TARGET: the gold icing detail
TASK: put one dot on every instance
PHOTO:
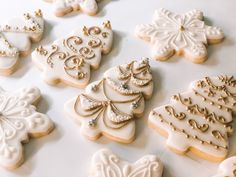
(95, 109)
(171, 111)
(195, 125)
(187, 135)
(107, 24)
(75, 56)
(38, 13)
(32, 27)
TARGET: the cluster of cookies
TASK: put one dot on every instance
(199, 120)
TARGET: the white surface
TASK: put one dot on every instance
(65, 153)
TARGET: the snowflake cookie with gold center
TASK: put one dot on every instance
(184, 34)
(19, 120)
(109, 106)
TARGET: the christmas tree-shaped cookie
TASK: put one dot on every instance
(109, 106)
(15, 39)
(69, 59)
(199, 120)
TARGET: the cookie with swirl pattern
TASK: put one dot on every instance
(70, 59)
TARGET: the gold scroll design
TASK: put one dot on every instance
(161, 118)
(94, 109)
(223, 88)
(195, 109)
(135, 74)
(73, 63)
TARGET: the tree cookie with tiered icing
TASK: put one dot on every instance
(70, 59)
(109, 106)
(19, 120)
(184, 34)
(199, 120)
(63, 7)
(107, 164)
(16, 37)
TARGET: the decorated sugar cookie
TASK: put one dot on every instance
(107, 164)
(63, 7)
(109, 106)
(15, 39)
(19, 120)
(184, 34)
(227, 168)
(70, 59)
(199, 120)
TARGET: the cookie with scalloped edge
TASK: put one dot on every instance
(63, 7)
(16, 36)
(199, 120)
(70, 59)
(107, 164)
(19, 122)
(182, 34)
(110, 106)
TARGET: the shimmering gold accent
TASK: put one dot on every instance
(171, 111)
(187, 135)
(230, 81)
(77, 53)
(99, 108)
(195, 125)
(41, 50)
(218, 135)
(107, 24)
(38, 13)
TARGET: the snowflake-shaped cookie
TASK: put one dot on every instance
(184, 34)
(227, 168)
(107, 164)
(19, 120)
(63, 7)
(70, 59)
(15, 39)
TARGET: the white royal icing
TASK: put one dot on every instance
(107, 164)
(69, 59)
(16, 36)
(185, 34)
(108, 106)
(227, 168)
(18, 119)
(200, 118)
(63, 7)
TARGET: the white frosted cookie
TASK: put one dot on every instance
(70, 59)
(184, 34)
(109, 106)
(63, 7)
(107, 164)
(199, 120)
(227, 168)
(19, 120)
(15, 39)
